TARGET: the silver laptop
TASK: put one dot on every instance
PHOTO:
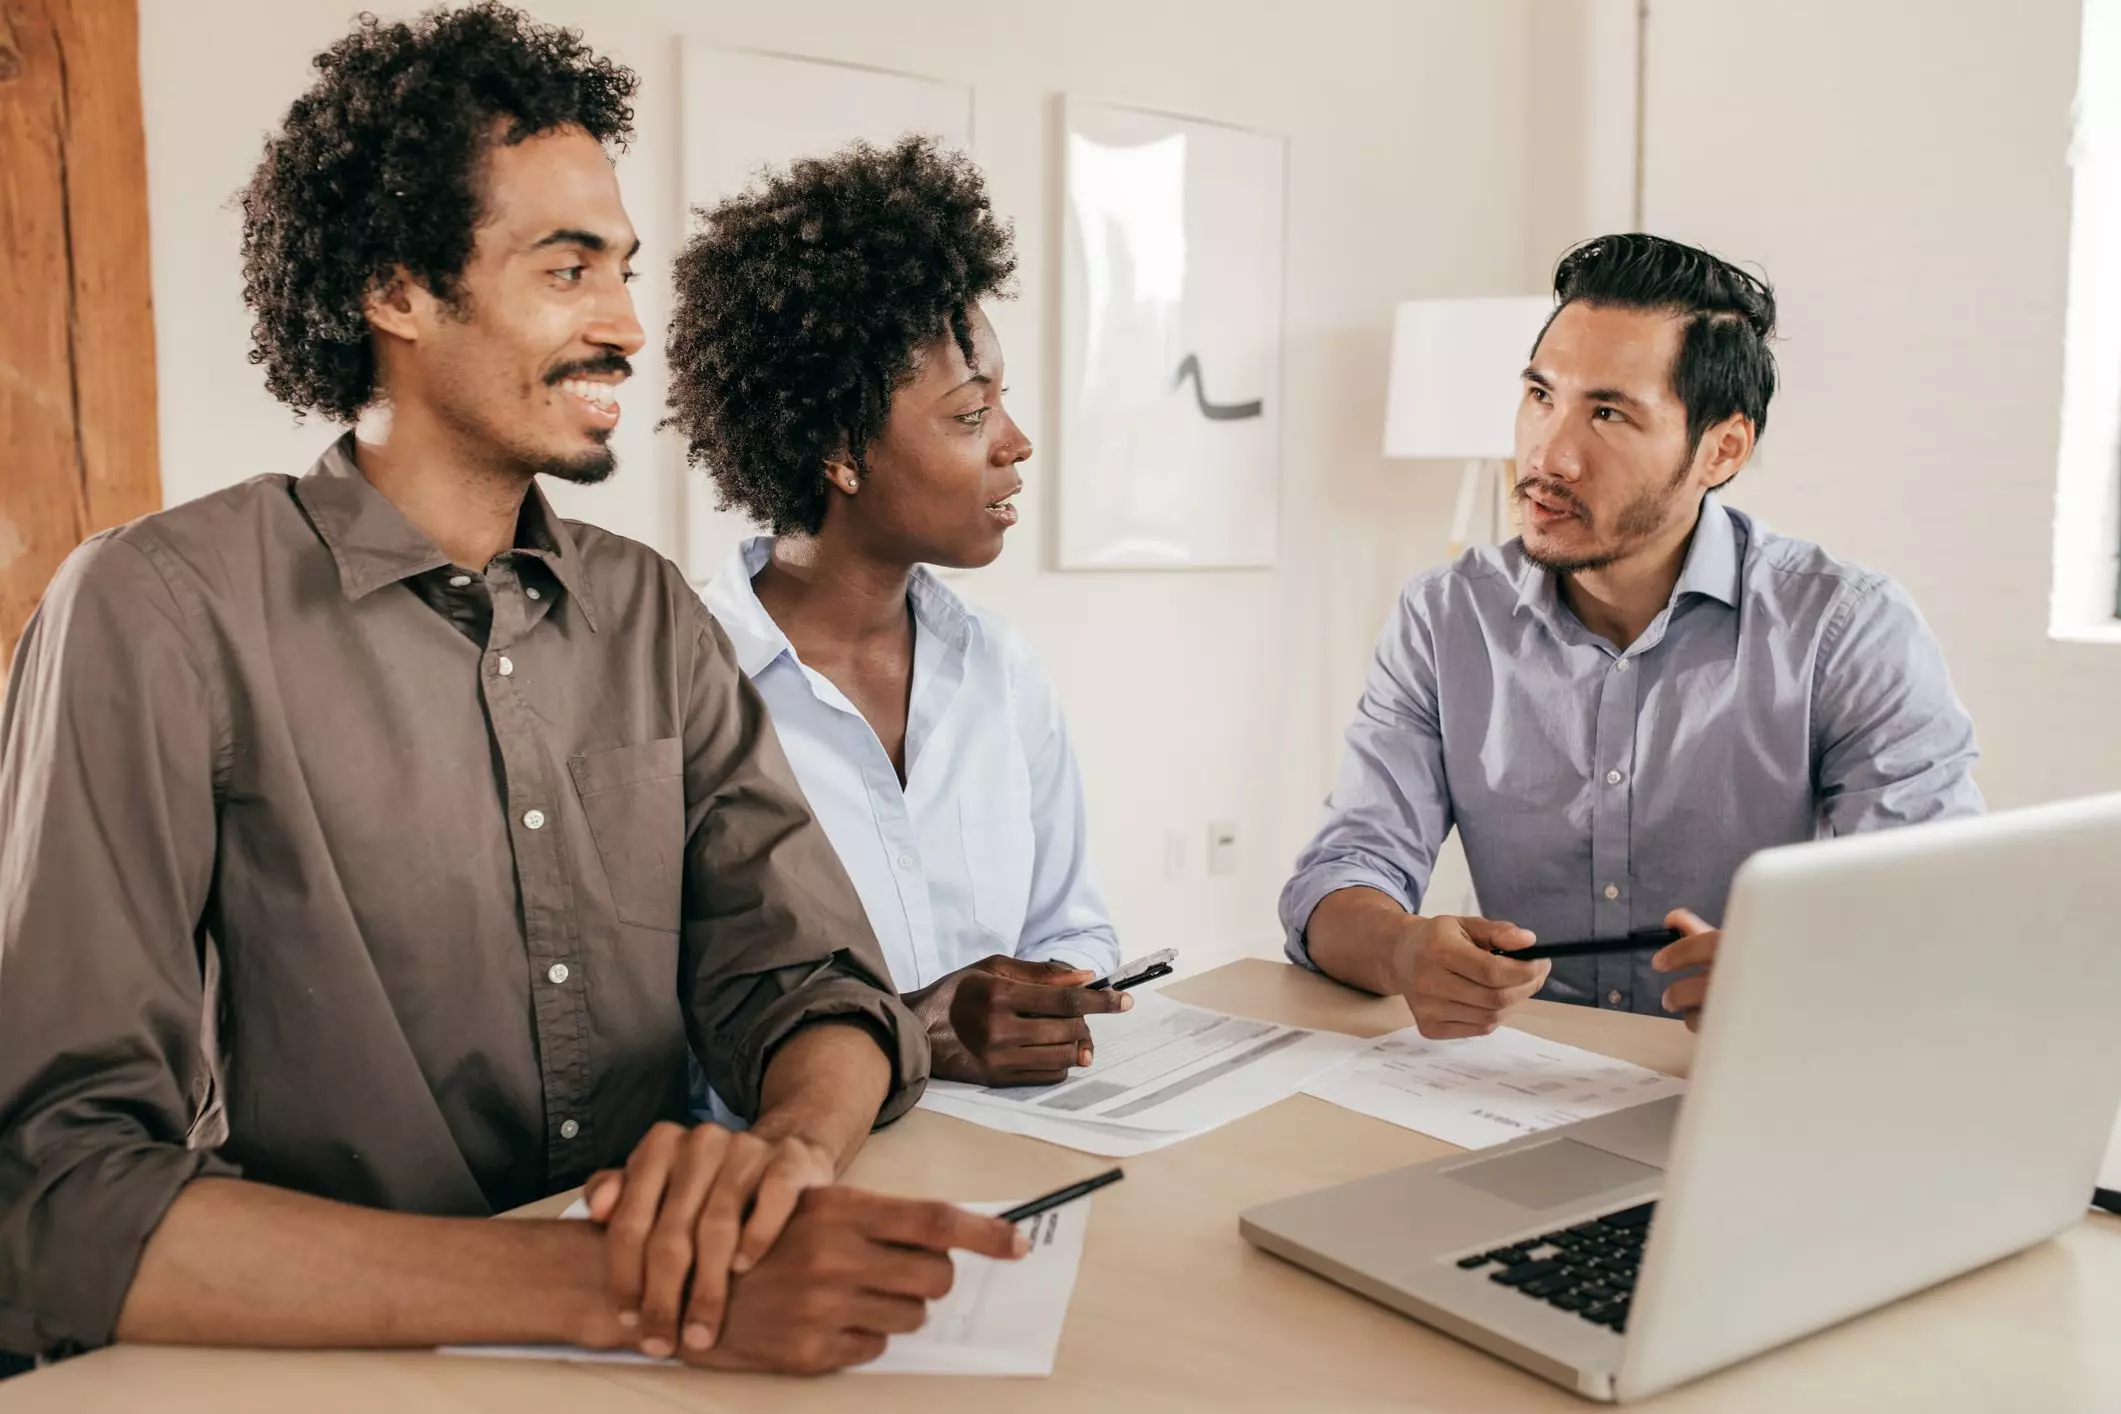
(1909, 1068)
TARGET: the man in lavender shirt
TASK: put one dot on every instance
(1620, 706)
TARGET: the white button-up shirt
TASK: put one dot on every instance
(984, 849)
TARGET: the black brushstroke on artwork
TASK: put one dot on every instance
(1214, 412)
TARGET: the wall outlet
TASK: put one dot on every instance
(1222, 847)
(1176, 860)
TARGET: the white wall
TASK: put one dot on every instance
(1898, 167)
(1584, 68)
(1193, 697)
(1901, 180)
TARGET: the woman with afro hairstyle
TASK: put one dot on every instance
(833, 373)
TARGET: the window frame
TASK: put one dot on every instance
(2085, 599)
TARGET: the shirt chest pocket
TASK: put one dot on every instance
(634, 798)
(999, 846)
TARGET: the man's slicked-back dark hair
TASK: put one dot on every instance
(804, 302)
(1724, 364)
(377, 166)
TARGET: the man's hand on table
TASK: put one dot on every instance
(1697, 949)
(1003, 1021)
(850, 1270)
(691, 1207)
(1455, 982)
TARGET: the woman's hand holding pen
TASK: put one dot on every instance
(1003, 1021)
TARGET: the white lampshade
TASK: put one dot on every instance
(1455, 367)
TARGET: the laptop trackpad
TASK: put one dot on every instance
(1550, 1175)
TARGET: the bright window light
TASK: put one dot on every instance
(2086, 601)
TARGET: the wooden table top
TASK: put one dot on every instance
(1173, 1310)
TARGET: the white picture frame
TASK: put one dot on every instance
(1171, 323)
(742, 111)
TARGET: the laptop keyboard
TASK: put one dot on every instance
(1588, 1269)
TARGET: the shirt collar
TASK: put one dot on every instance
(938, 610)
(543, 535)
(1536, 587)
(758, 640)
(754, 635)
(374, 544)
(1712, 567)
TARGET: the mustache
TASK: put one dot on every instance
(590, 367)
(1548, 490)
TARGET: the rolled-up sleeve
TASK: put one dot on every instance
(1895, 746)
(109, 744)
(774, 935)
(1390, 811)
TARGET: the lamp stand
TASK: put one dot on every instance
(1483, 481)
(1469, 494)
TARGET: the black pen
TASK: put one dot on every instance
(1596, 947)
(1061, 1195)
(1142, 969)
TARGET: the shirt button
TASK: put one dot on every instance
(535, 820)
(1612, 778)
(569, 1129)
(506, 667)
(533, 594)
(557, 972)
(1612, 998)
(905, 861)
(460, 581)
(1611, 890)
(1621, 666)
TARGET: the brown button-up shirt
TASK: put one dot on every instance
(331, 864)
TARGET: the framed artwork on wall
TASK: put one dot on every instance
(743, 111)
(1171, 334)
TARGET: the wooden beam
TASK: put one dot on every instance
(77, 332)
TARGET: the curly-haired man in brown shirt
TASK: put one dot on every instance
(373, 841)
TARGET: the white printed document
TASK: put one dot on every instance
(1000, 1318)
(1484, 1090)
(1164, 1071)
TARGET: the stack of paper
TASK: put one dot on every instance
(1000, 1318)
(1484, 1090)
(1164, 1072)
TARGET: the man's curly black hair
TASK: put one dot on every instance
(378, 166)
(804, 302)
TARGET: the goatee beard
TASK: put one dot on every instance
(1638, 520)
(1568, 564)
(584, 469)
